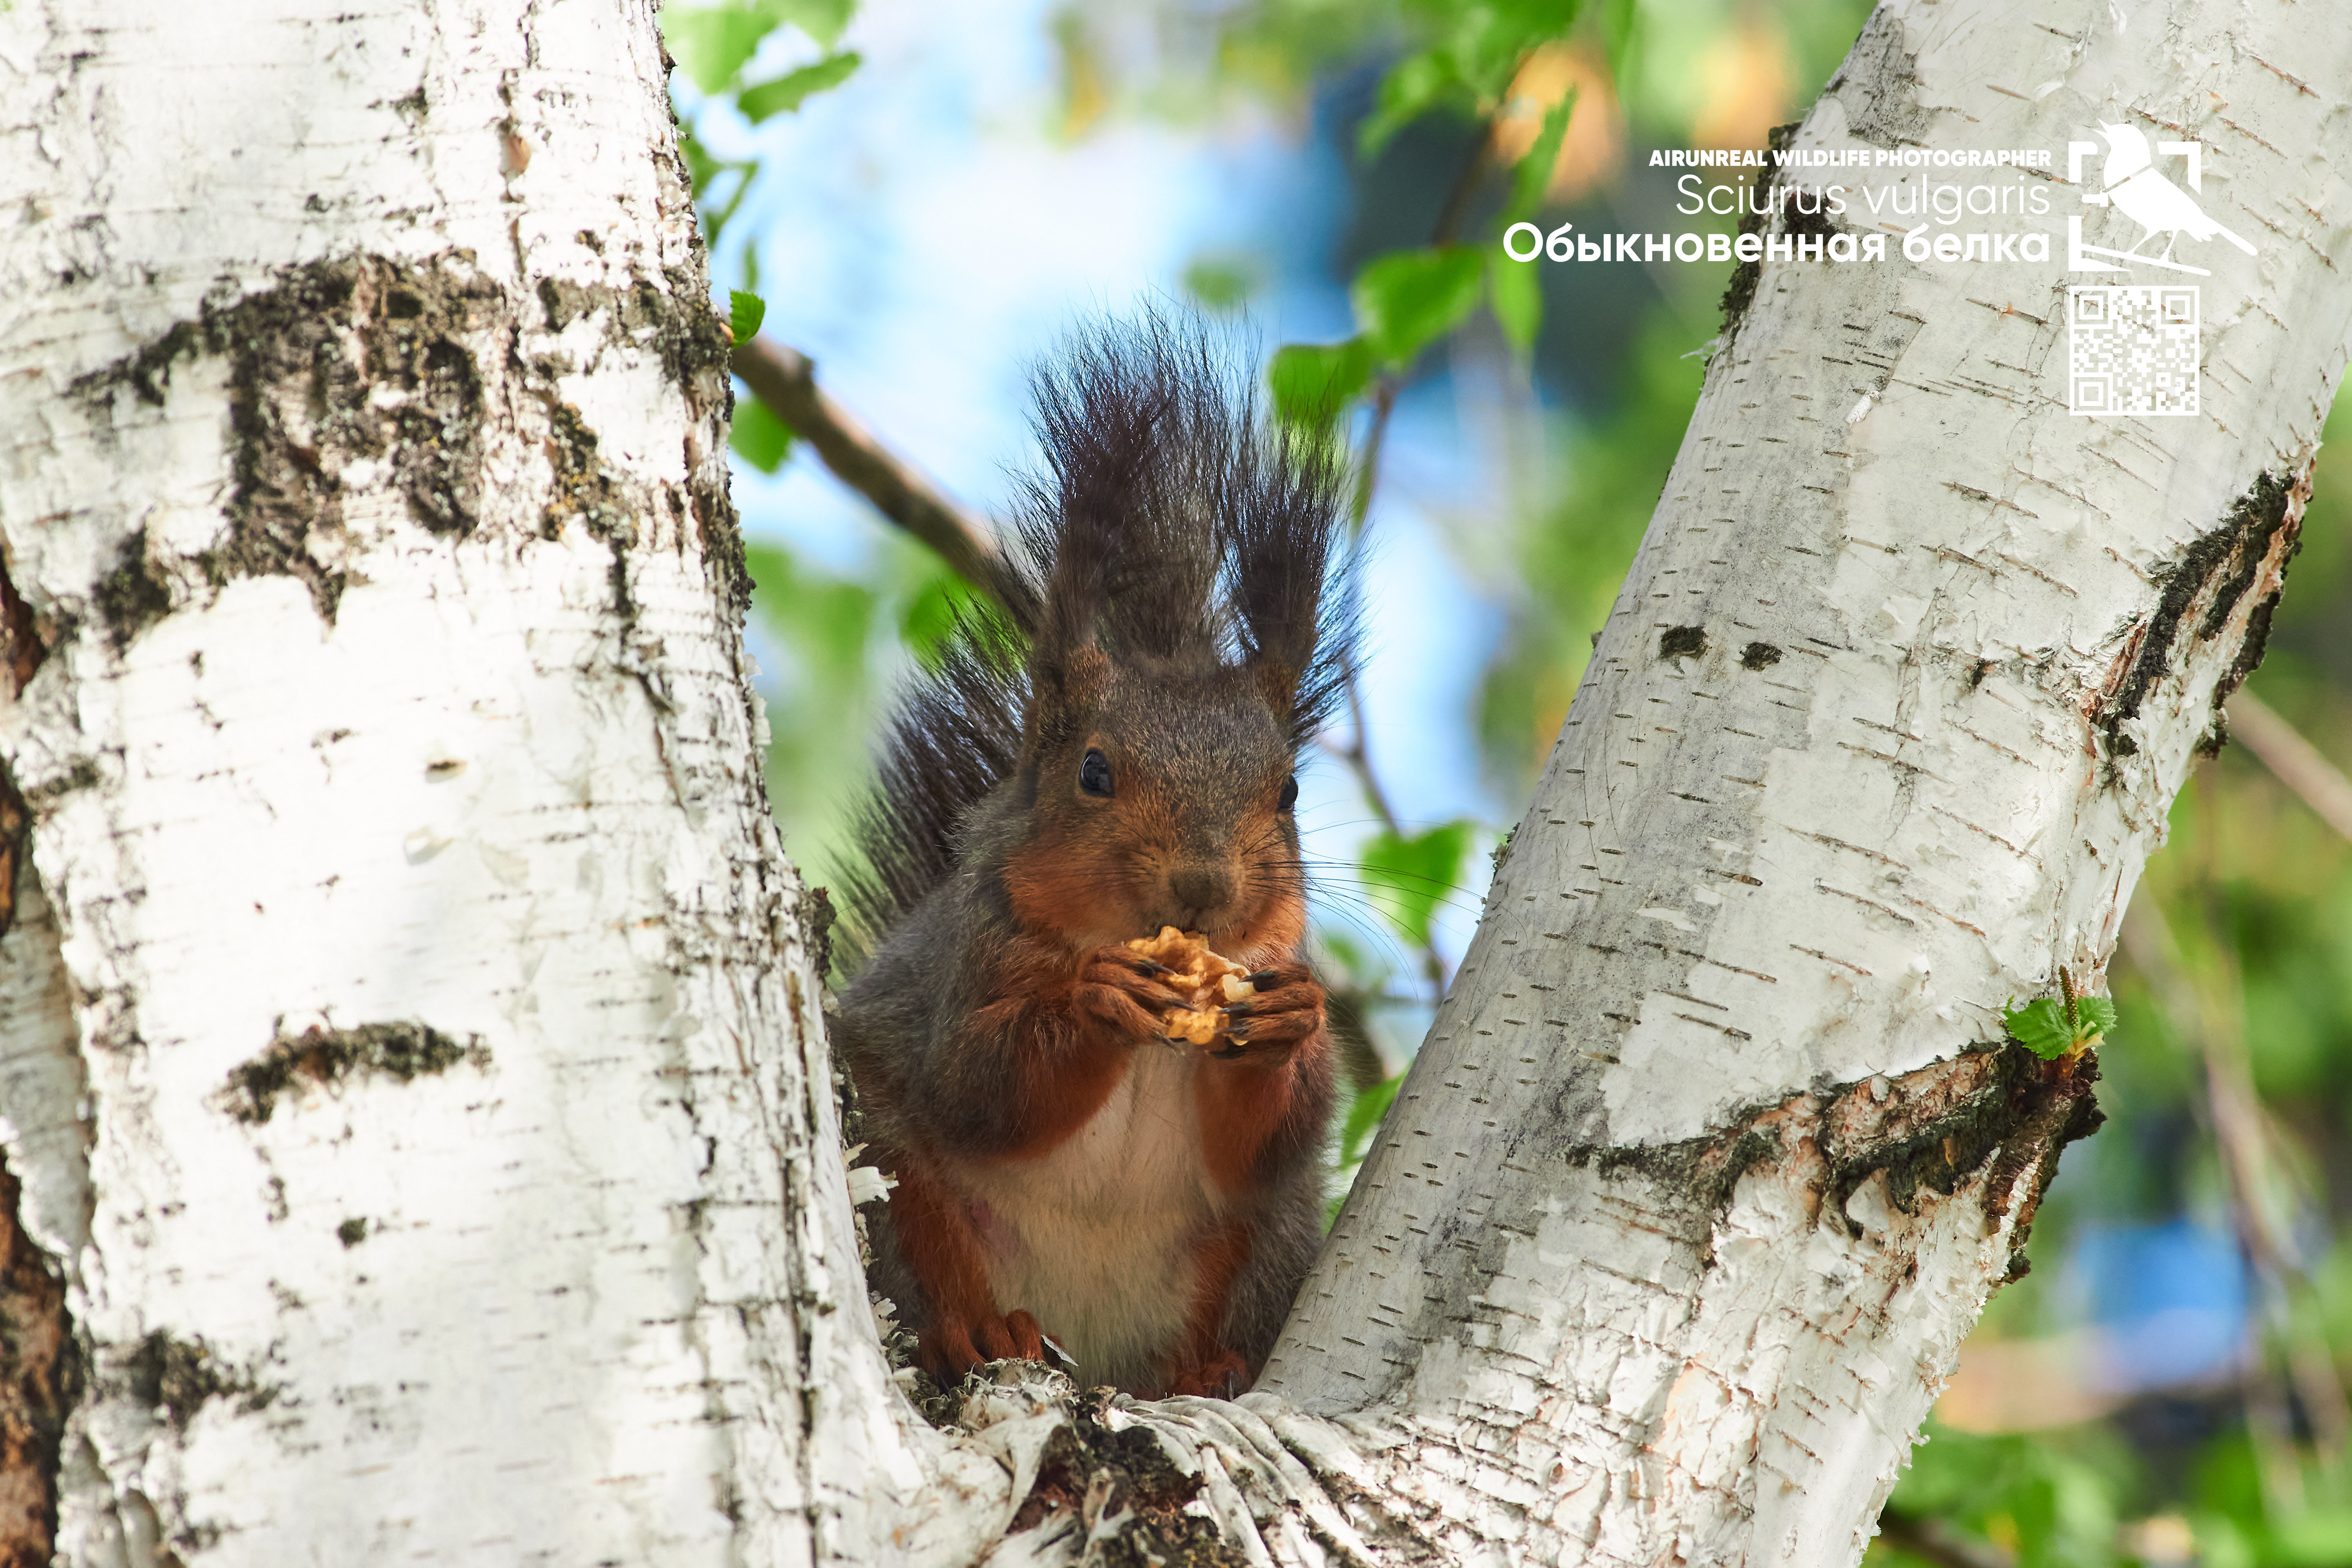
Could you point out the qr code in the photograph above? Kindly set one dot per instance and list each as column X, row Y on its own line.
column 2131, row 350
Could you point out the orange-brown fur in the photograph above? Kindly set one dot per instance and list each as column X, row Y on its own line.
column 1171, row 599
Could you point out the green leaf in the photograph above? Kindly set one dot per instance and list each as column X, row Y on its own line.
column 700, row 166
column 758, row 436
column 1409, row 299
column 1617, row 34
column 711, row 42
column 1414, row 86
column 824, row 623
column 784, row 94
column 2312, row 1540
column 1221, row 283
column 1311, row 383
column 1514, row 291
column 2041, row 1028
column 932, row 613
column 1364, row 1114
column 821, row 20
column 1533, row 172
column 744, row 314
column 2093, row 1017
column 1344, row 951
column 1406, row 877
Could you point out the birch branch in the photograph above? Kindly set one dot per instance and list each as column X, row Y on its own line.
column 786, row 380
column 2292, row 760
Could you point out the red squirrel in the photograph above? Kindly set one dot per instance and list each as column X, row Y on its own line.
column 1112, row 754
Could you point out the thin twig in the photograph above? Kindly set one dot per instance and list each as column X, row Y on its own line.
column 2292, row 760
column 1368, row 470
column 784, row 380
column 2207, row 1010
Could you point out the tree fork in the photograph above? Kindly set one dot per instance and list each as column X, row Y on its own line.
column 388, row 712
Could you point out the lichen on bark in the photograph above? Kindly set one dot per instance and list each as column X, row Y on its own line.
column 347, row 372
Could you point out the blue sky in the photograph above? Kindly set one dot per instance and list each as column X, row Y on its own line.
column 924, row 234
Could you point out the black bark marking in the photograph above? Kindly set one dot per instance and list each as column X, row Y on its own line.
column 1682, row 641
column 1759, row 656
column 817, row 915
column 2224, row 564
column 327, row 1057
column 1927, row 1130
column 134, row 595
column 398, row 364
column 180, row 1377
column 2053, row 1106
column 1767, row 195
column 40, row 1381
column 83, row 774
column 309, row 362
column 1879, row 85
column 1741, row 292
column 583, row 489
column 351, row 1231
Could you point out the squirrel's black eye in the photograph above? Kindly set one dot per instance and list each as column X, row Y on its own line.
column 1289, row 793
column 1094, row 774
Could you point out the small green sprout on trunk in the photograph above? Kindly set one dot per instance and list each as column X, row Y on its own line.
column 2053, row 1029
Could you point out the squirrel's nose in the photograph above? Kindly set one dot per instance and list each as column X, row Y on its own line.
column 1201, row 887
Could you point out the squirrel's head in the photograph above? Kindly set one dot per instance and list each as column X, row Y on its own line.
column 1161, row 797
column 1181, row 587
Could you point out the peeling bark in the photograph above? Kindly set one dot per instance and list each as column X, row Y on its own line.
column 36, row 1389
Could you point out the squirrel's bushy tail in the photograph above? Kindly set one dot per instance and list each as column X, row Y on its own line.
column 1173, row 524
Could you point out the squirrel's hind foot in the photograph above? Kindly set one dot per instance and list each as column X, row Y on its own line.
column 950, row 1350
column 1221, row 1374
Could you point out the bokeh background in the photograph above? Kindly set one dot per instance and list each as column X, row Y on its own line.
column 924, row 196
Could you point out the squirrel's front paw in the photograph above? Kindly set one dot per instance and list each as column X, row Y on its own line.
column 1128, row 991
column 1286, row 1009
column 1221, row 1374
column 948, row 1350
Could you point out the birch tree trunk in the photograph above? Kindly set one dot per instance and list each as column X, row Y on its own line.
column 419, row 1136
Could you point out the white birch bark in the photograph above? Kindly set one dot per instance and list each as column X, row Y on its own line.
column 1653, row 1265
column 365, row 482
column 377, row 707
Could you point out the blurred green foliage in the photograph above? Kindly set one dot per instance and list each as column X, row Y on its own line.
column 714, row 45
column 1408, row 876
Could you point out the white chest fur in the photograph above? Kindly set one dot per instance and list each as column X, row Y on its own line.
column 1096, row 1238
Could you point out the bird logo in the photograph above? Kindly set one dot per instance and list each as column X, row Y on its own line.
column 2130, row 182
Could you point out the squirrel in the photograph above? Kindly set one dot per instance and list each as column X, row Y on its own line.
column 1112, row 752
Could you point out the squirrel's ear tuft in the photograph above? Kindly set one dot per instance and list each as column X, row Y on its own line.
column 1294, row 578
column 1116, row 533
column 1175, row 525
